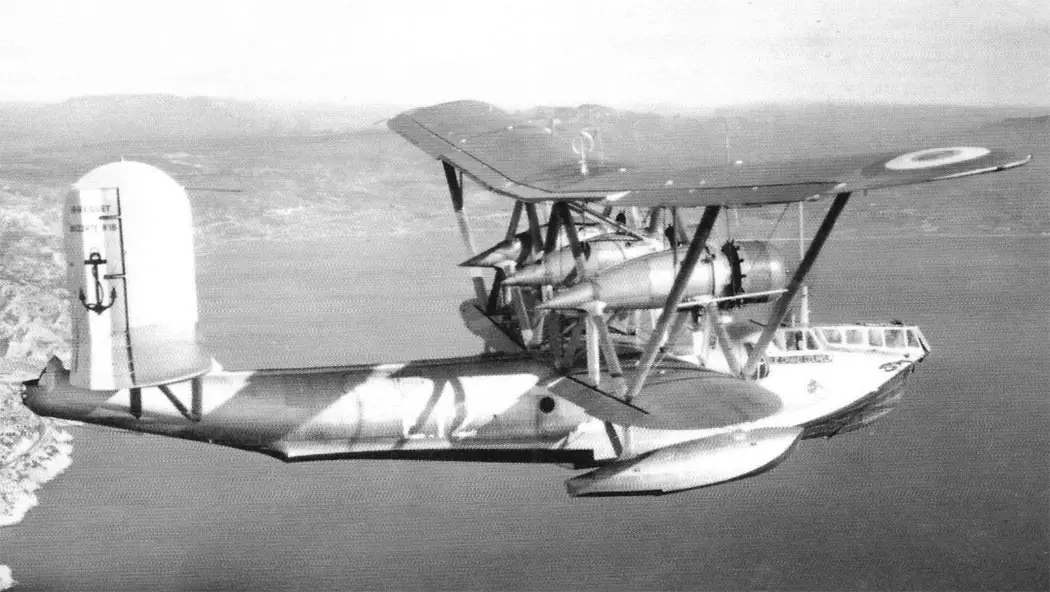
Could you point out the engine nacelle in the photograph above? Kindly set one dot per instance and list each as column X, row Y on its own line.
column 741, row 267
column 599, row 254
column 754, row 266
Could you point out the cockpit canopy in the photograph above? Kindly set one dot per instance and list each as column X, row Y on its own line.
column 851, row 338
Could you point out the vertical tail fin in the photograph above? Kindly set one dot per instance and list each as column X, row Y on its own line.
column 129, row 251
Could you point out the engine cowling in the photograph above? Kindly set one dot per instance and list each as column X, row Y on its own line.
column 556, row 267
column 741, row 267
column 754, row 266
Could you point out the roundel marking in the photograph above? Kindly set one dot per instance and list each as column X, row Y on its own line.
column 935, row 157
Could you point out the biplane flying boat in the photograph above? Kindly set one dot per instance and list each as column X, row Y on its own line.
column 610, row 343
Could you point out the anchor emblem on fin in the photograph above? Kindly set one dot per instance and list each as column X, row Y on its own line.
column 94, row 260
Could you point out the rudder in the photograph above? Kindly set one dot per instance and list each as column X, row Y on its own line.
column 130, row 271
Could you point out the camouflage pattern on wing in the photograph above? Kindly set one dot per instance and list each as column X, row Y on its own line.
column 526, row 161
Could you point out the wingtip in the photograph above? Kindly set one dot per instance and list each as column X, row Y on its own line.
column 1016, row 163
column 1005, row 166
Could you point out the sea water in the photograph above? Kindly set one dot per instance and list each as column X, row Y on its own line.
column 949, row 491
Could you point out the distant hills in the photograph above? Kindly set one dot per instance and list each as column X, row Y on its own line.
column 1042, row 120
column 769, row 130
column 98, row 119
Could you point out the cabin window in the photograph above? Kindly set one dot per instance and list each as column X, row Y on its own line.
column 913, row 340
column 833, row 335
column 895, row 338
column 875, row 337
column 799, row 340
column 854, row 337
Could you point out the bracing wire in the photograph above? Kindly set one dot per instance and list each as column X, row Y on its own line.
column 779, row 220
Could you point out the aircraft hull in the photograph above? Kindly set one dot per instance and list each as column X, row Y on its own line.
column 502, row 408
column 484, row 402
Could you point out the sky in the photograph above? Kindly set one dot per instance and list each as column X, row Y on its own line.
column 620, row 53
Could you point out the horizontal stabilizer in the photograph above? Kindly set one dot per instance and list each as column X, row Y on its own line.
column 530, row 163
column 689, row 465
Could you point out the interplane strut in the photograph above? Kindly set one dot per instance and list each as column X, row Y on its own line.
column 780, row 310
column 723, row 339
column 535, row 231
column 561, row 209
column 703, row 230
column 455, row 189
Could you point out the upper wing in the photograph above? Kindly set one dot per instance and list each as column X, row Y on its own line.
column 527, row 162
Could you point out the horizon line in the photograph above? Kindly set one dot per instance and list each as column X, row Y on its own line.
column 624, row 105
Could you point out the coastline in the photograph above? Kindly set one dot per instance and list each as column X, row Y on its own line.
column 33, row 450
column 27, row 471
